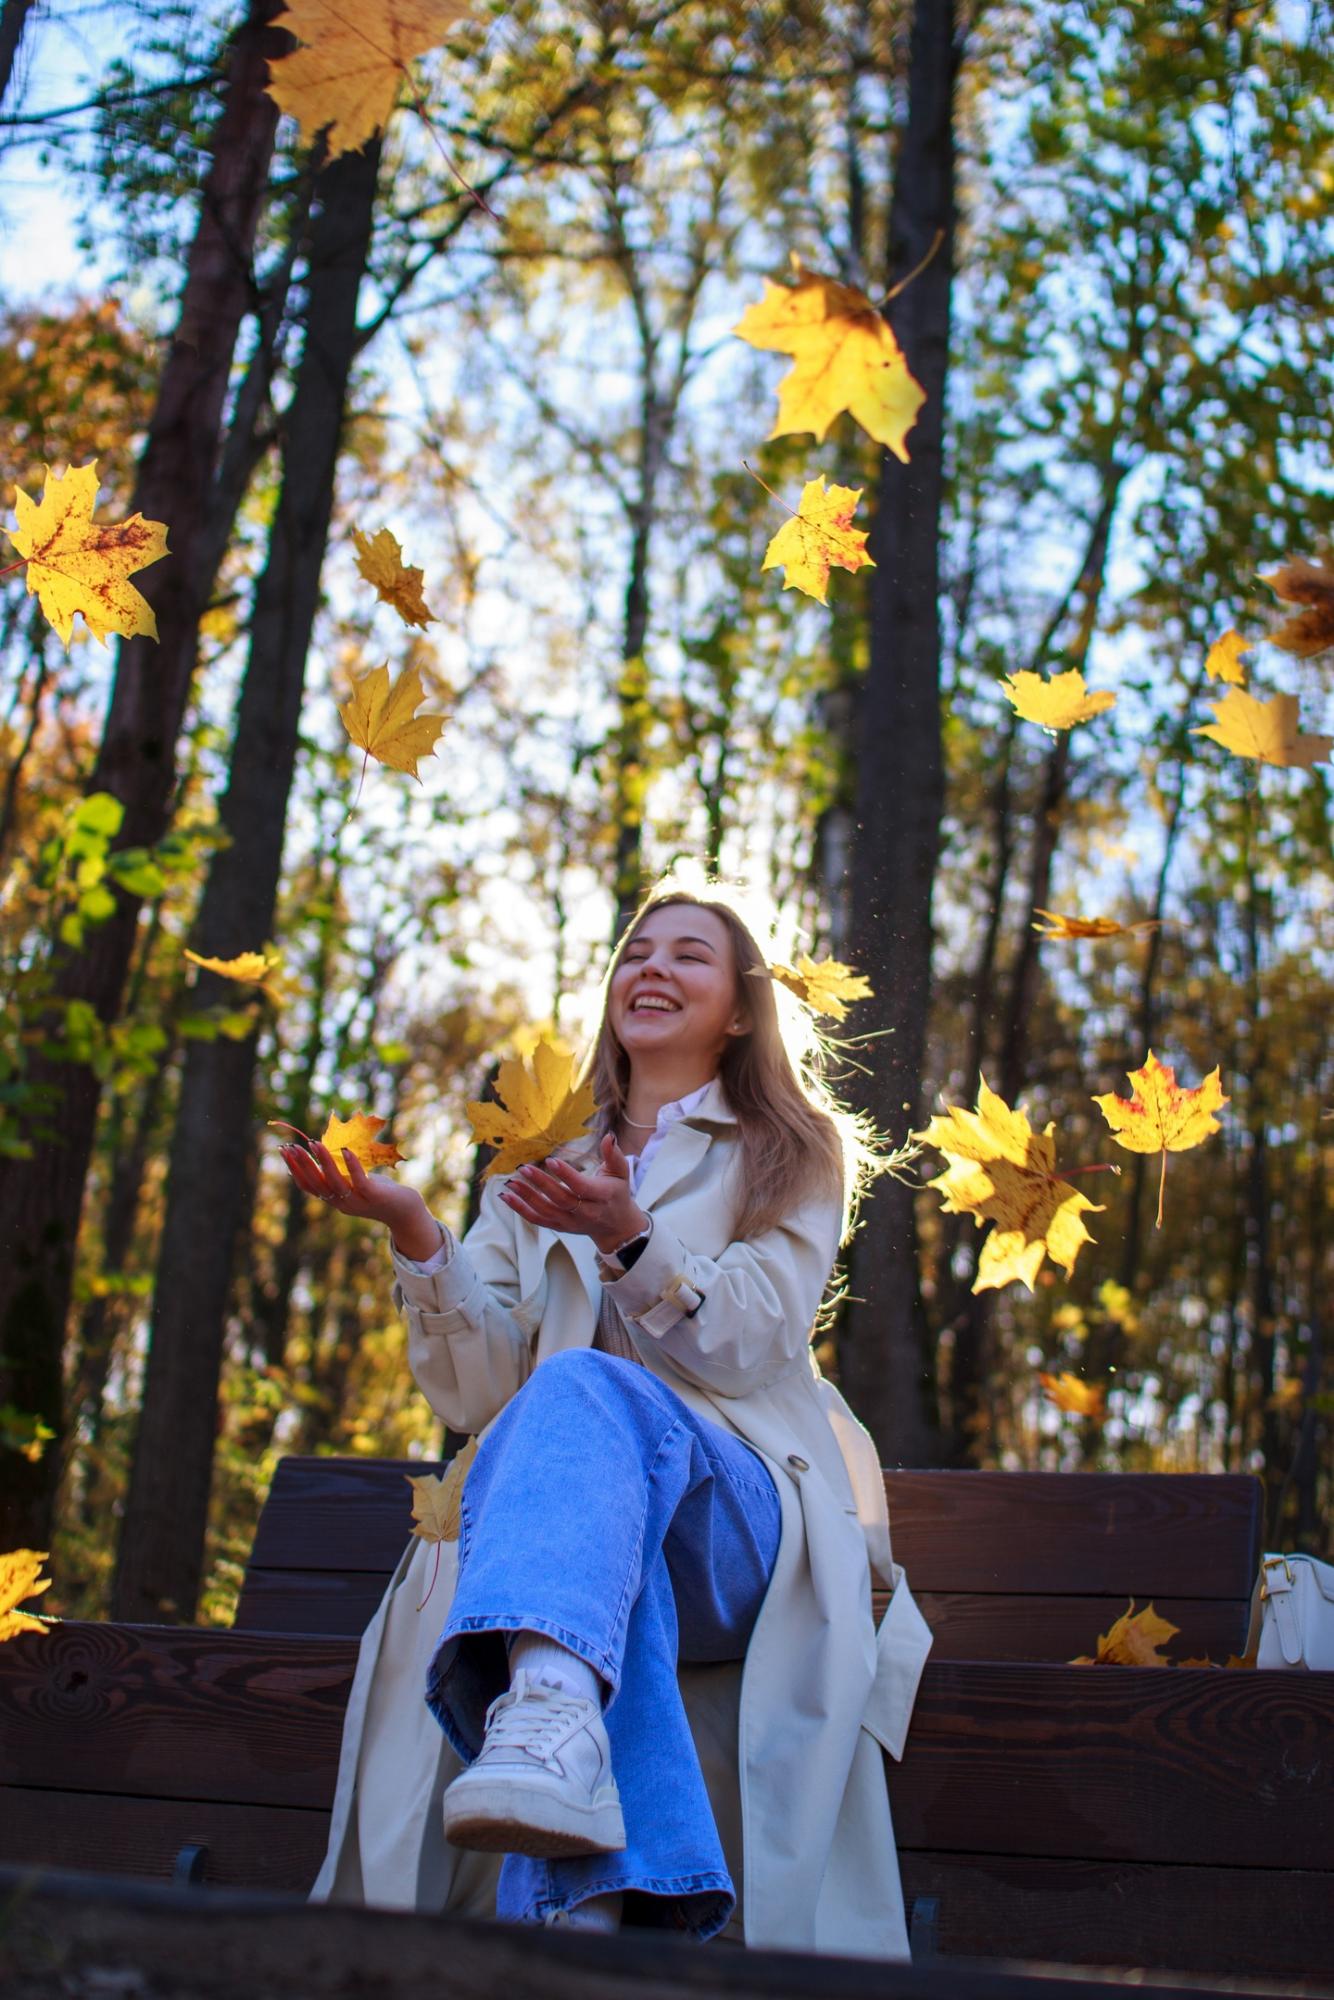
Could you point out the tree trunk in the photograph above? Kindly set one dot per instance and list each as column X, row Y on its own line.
column 161, row 1554
column 13, row 19
column 883, row 1354
column 40, row 1198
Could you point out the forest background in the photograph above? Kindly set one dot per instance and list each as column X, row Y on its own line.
column 1103, row 233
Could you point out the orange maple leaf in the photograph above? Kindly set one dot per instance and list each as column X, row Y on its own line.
column 380, row 720
column 819, row 536
column 78, row 565
column 353, row 60
column 1268, row 731
column 357, row 1134
column 845, row 357
column 1058, row 926
column 1078, row 1398
column 1311, row 584
column 1162, row 1116
column 1059, row 703
column 541, row 1107
column 248, row 968
column 380, row 561
column 826, row 984
column 1000, row 1170
column 1223, row 662
column 21, row 1578
column 1135, row 1640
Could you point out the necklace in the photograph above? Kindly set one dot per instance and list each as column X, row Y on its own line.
column 638, row 1123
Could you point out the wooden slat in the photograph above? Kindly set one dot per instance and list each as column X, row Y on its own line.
column 1232, row 1921
column 1116, row 1535
column 158, row 1711
column 76, row 1936
column 266, row 1847
column 1188, row 1766
column 966, row 1626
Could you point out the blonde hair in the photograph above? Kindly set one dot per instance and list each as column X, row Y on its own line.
column 796, row 1139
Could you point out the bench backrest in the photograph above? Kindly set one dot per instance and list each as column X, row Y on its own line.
column 1006, row 1565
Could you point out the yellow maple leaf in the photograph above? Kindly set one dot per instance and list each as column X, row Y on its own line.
column 247, row 968
column 436, row 1500
column 1265, row 730
column 1000, row 1170
column 1223, row 661
column 1134, row 1640
column 76, row 564
column 1058, row 703
column 540, row 1108
column 21, row 1578
column 380, row 720
column 845, row 357
column 1079, row 1398
column 380, row 561
column 354, row 58
column 357, row 1134
column 826, row 985
column 1162, row 1116
column 818, row 537
column 1310, row 584
column 1057, row 926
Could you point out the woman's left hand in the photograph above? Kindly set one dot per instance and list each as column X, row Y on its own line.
column 555, row 1195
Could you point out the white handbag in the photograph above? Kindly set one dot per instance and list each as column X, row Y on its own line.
column 1296, row 1613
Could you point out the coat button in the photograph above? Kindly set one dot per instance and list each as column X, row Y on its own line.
column 800, row 1463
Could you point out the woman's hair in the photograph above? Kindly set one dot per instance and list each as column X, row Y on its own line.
column 795, row 1138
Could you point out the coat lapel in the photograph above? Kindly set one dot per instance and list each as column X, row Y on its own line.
column 685, row 1146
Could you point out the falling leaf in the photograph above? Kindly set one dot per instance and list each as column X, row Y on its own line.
column 436, row 1500
column 21, row 1578
column 819, row 536
column 354, row 59
column 1311, row 584
column 1058, row 703
column 1162, row 1116
column 75, row 564
column 357, row 1134
column 1058, row 926
column 1223, row 662
column 999, row 1170
column 380, row 721
column 380, row 561
column 826, row 985
column 540, row 1109
column 845, row 358
column 1076, row 1397
column 1265, row 730
column 1134, row 1641
column 247, row 968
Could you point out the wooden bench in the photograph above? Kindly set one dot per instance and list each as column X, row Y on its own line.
column 1178, row 1818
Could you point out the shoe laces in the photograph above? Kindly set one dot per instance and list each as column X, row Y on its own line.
column 534, row 1715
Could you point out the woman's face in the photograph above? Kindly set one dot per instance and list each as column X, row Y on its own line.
column 674, row 990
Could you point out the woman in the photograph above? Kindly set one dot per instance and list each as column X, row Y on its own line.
column 662, row 1694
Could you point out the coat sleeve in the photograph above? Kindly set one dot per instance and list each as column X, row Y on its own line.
column 734, row 1323
column 469, row 1331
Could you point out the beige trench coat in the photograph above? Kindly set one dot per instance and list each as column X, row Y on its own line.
column 790, row 1740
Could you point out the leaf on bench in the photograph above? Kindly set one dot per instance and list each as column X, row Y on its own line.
column 1133, row 1641
column 20, row 1577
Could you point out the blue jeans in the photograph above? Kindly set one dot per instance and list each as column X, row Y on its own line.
column 603, row 1512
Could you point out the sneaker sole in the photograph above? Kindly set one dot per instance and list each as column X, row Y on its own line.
column 503, row 1818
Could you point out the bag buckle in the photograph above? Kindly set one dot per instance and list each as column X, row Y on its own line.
column 1274, row 1562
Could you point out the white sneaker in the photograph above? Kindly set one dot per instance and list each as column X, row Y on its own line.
column 541, row 1783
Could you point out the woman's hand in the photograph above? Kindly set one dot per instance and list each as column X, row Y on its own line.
column 416, row 1234
column 555, row 1195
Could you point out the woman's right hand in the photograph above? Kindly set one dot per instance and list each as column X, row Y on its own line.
column 355, row 1192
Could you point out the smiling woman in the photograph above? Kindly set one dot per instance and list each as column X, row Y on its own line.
column 660, row 1692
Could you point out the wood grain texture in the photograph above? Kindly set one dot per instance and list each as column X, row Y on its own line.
column 279, row 1846
column 1227, row 1921
column 1176, row 1765
column 1116, row 1535
column 72, row 1936
column 966, row 1626
column 159, row 1711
